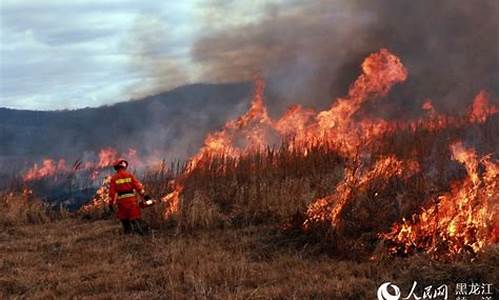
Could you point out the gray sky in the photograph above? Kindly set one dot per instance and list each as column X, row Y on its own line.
column 61, row 54
column 68, row 54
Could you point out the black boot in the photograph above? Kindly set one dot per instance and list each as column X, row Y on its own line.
column 139, row 227
column 127, row 226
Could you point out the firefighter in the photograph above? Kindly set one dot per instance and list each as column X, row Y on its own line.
column 122, row 192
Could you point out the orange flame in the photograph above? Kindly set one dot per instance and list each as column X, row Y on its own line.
column 106, row 156
column 248, row 130
column 462, row 220
column 49, row 167
column 380, row 71
column 173, row 200
column 243, row 135
column 481, row 108
column 101, row 197
column 330, row 208
column 335, row 127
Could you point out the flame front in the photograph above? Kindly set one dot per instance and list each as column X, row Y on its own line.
column 328, row 209
column 464, row 219
column 105, row 157
column 247, row 133
column 254, row 130
column 48, row 167
column 101, row 197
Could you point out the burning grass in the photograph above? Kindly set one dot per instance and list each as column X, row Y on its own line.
column 358, row 176
column 281, row 187
column 336, row 207
column 459, row 221
column 341, row 176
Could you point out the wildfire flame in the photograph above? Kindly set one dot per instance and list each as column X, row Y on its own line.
column 335, row 127
column 50, row 167
column 106, row 157
column 254, row 130
column 248, row 130
column 101, row 197
column 329, row 209
column 464, row 219
column 380, row 71
column 481, row 108
column 173, row 200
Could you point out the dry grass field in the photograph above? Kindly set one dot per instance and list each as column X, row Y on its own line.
column 71, row 258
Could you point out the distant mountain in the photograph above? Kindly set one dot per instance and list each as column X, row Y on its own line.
column 172, row 123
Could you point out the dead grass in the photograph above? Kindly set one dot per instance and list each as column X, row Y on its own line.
column 268, row 187
column 17, row 209
column 75, row 259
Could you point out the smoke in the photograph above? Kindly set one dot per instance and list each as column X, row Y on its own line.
column 155, row 56
column 311, row 50
column 308, row 51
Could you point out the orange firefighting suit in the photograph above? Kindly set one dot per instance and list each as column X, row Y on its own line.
column 122, row 192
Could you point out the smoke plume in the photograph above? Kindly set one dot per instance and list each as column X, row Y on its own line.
column 311, row 50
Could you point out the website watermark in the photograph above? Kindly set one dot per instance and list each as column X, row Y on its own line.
column 459, row 291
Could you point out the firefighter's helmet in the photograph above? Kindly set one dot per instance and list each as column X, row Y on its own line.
column 120, row 164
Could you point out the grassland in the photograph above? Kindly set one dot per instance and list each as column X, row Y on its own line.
column 79, row 259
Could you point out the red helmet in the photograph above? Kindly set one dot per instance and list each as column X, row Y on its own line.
column 120, row 164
